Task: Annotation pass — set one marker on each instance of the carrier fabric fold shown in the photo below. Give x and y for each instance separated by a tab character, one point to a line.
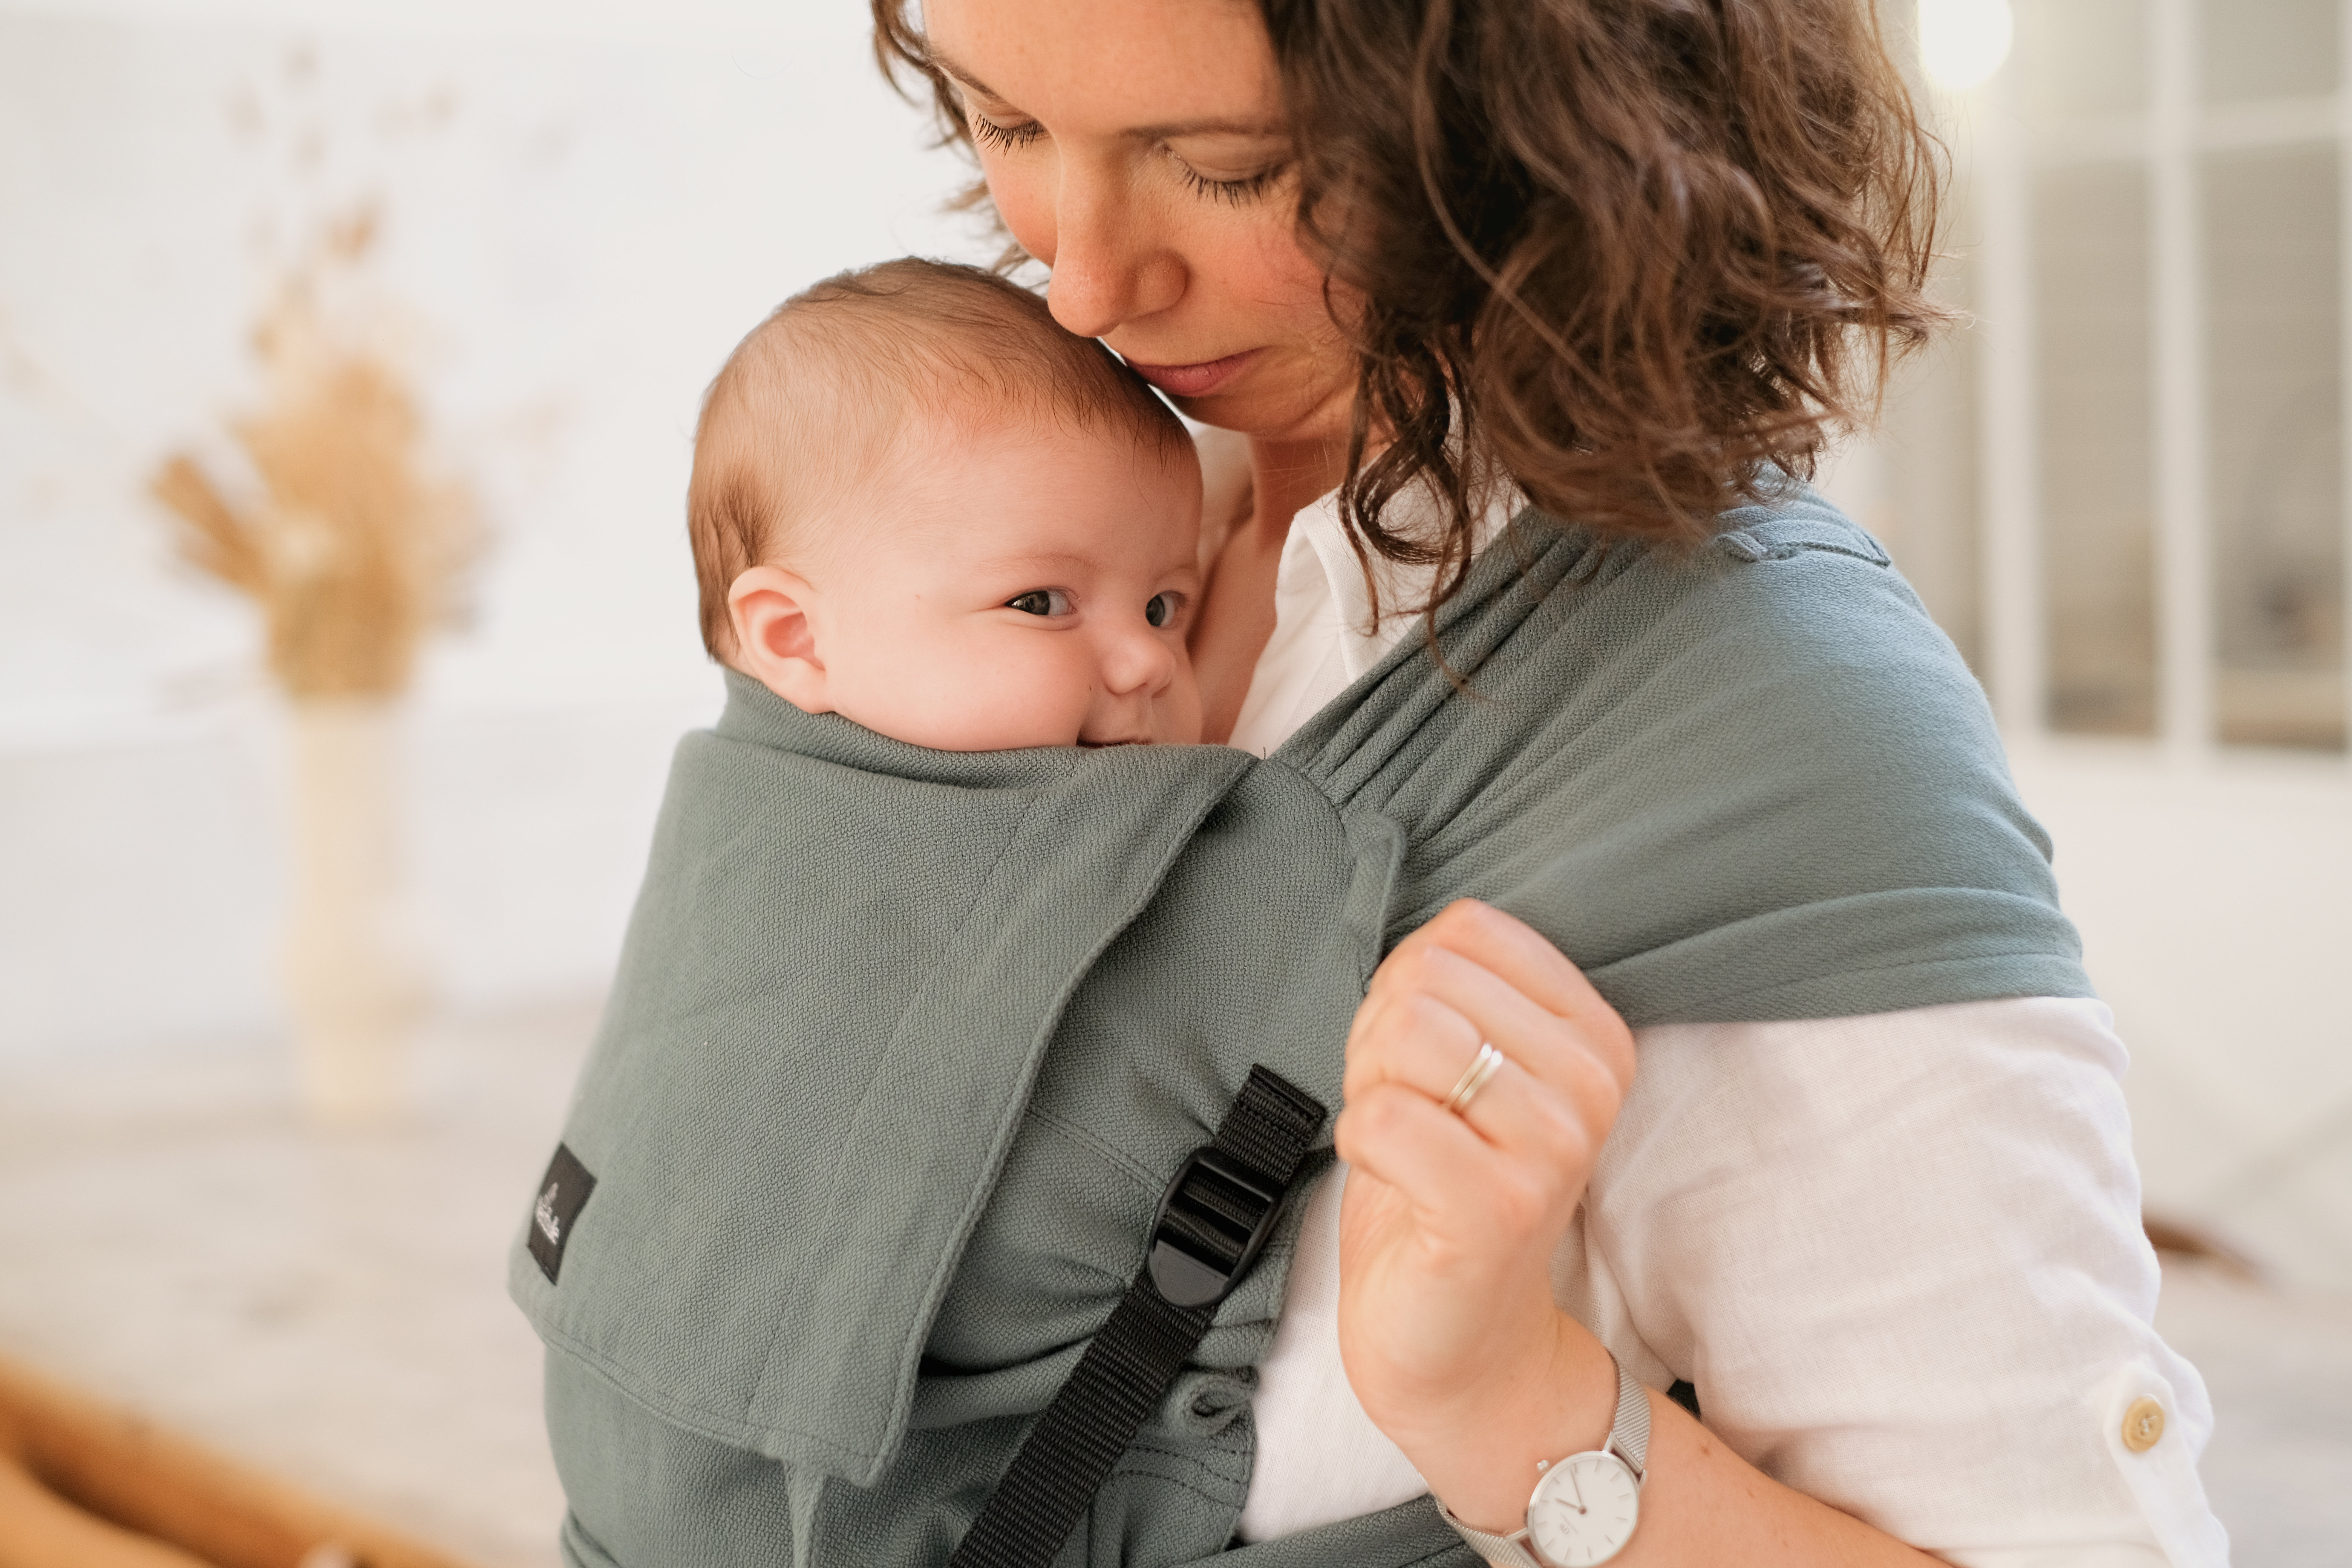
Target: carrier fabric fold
1751	783
905	1045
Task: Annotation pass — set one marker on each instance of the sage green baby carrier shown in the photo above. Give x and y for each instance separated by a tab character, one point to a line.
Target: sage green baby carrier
907	1046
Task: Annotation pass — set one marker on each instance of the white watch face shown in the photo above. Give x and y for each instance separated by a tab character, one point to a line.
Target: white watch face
1583	1511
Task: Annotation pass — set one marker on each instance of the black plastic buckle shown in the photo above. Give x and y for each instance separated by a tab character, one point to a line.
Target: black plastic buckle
1212	1222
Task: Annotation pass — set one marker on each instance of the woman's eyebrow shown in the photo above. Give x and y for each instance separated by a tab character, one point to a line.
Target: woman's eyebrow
947	63
1210	127
1266	128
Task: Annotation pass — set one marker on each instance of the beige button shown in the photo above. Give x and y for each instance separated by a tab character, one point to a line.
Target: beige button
2143	1426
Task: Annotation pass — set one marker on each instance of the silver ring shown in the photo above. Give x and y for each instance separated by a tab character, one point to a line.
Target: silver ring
1484	1065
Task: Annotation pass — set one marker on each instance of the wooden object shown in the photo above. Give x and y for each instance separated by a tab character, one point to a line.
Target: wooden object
83	1485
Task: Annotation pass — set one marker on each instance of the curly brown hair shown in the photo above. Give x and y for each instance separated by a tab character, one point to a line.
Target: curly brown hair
1638	254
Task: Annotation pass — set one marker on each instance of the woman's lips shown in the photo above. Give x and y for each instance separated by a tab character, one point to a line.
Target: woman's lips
1194	379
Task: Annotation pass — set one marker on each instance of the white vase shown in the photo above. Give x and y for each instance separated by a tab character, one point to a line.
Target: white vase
352	983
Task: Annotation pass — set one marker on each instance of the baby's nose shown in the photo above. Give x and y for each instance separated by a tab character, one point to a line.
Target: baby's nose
1138	660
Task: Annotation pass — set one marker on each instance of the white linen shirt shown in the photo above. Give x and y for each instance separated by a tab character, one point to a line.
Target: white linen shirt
1899	1255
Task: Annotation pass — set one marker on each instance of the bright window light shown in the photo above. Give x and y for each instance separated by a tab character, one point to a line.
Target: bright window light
1963	42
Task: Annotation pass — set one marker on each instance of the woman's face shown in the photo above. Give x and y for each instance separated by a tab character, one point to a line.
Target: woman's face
1137	148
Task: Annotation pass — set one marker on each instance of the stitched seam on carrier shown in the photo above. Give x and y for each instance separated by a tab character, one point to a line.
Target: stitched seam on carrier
1088	1139
734	1431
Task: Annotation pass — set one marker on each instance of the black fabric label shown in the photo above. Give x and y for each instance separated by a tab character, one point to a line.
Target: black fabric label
562	1194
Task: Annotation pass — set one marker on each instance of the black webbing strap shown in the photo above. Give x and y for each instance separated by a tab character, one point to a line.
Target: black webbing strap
1212	1222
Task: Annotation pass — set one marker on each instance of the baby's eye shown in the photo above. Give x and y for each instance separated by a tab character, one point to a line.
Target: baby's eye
1162	608
1042	602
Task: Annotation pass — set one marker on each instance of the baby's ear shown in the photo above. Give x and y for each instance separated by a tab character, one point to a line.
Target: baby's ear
775	641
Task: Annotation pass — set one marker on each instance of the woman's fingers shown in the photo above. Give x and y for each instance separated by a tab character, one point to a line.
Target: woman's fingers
1527	963
1431	994
1519	1153
1430	1009
1452	1179
1511	1109
1513	948
1551	1134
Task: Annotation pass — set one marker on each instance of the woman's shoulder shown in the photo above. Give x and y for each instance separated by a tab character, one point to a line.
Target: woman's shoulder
1788	575
1790	624
1746	780
1786	642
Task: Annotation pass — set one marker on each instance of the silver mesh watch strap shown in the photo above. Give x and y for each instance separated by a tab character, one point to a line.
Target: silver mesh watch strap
1498	1551
1629	1434
1629	1431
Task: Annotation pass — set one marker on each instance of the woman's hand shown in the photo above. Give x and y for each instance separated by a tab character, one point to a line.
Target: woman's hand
1447	1325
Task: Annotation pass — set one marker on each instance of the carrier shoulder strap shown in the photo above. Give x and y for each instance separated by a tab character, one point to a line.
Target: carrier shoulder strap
1212	1222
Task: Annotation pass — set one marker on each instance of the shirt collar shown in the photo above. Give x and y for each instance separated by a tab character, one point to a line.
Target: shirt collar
1319	568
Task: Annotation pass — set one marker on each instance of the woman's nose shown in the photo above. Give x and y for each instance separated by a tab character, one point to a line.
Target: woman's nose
1108	266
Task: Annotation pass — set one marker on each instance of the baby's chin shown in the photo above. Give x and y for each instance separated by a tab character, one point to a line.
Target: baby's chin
1173	735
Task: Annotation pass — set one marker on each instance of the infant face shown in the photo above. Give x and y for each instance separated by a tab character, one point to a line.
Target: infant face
1021	586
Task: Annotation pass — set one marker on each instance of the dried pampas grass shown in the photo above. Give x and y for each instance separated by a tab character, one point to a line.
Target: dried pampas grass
352	553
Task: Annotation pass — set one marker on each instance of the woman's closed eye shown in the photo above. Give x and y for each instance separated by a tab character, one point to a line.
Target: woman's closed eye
1047	601
1009	138
1013	136
1233	191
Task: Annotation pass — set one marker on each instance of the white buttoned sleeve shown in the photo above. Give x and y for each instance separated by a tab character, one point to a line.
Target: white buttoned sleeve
1899	1255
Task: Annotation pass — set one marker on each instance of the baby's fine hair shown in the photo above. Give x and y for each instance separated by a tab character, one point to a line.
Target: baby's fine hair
823	390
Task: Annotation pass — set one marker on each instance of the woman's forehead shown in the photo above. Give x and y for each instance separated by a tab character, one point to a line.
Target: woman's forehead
1141	67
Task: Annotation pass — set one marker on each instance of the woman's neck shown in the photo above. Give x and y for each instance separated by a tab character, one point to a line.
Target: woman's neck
1286	478
1238	602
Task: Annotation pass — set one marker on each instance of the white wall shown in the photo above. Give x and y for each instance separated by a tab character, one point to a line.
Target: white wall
585	205
2215	904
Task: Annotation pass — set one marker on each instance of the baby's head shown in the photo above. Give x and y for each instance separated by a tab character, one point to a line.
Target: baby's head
920	503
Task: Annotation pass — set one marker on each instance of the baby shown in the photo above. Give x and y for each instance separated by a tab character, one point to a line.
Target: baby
861	948
918	503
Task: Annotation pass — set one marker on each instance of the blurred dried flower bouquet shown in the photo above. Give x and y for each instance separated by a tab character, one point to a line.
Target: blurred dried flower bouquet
353	552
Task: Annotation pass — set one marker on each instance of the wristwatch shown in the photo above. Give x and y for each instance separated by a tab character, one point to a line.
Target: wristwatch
1584	1507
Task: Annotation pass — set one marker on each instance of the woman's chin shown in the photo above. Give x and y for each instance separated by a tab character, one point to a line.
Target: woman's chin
1274	409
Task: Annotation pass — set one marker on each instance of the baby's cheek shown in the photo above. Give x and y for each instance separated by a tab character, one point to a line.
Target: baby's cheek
1040	699
1179	709
1004	717
971	695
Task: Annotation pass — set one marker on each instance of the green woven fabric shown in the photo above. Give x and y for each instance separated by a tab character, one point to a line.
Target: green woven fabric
905	1045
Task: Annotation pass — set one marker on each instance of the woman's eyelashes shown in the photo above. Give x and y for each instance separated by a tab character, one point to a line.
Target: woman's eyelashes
1006	138
1234	192
1011	138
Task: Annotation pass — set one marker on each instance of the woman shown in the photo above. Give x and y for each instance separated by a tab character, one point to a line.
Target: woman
1618	258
